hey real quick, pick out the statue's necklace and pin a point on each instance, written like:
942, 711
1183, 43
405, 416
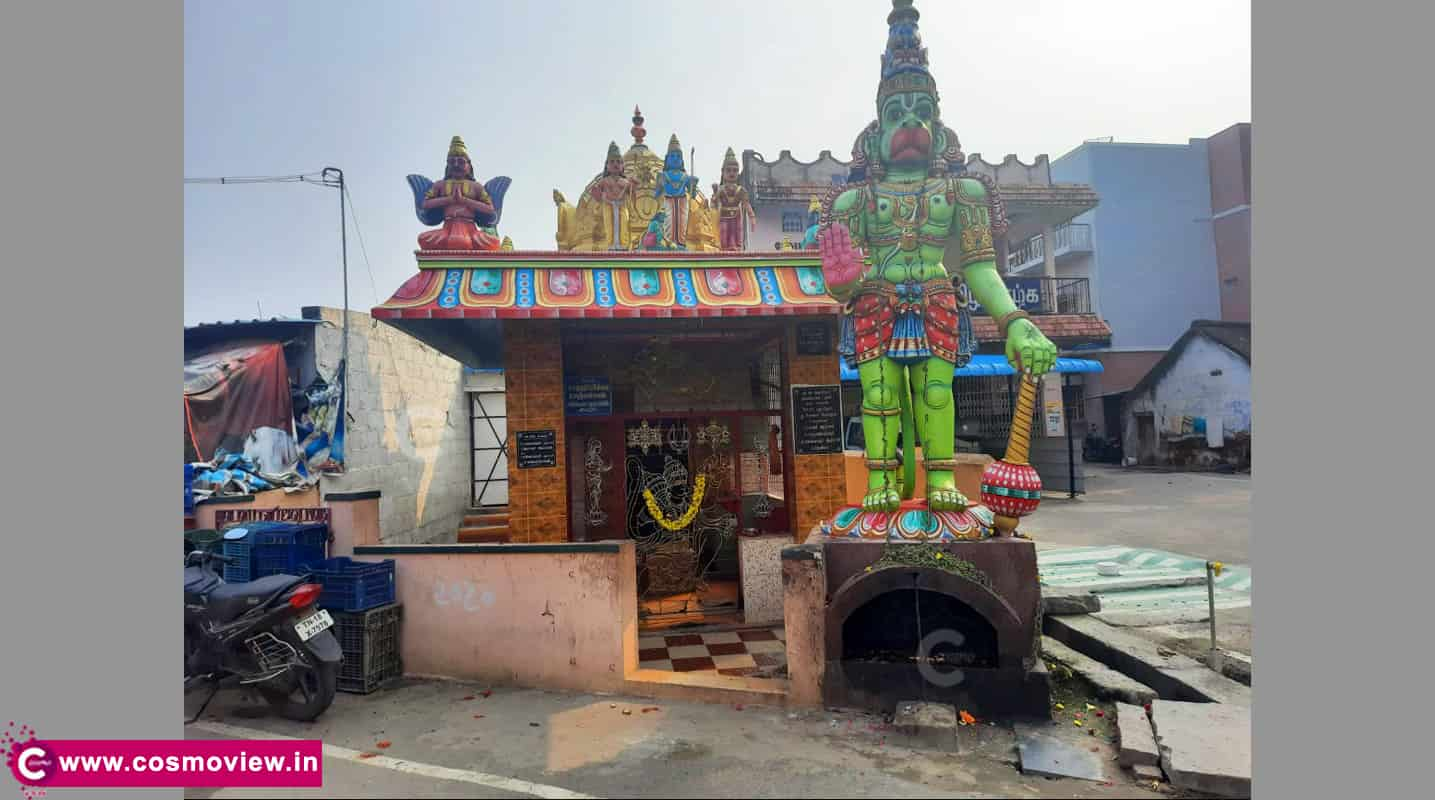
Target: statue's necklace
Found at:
909, 215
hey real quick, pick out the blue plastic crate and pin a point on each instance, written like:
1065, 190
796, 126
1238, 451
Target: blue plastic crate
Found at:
188, 490
236, 546
351, 585
286, 547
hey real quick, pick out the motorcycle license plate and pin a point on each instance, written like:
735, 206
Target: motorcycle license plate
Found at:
313, 625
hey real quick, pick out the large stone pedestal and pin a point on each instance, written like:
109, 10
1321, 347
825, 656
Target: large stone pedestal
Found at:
951, 621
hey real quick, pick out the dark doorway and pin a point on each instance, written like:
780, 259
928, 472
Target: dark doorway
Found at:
1146, 438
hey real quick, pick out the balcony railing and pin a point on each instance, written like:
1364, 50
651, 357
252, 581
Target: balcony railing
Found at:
1069, 239
1048, 295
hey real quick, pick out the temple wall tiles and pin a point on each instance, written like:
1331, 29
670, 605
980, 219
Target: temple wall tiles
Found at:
821, 489
533, 377
819, 481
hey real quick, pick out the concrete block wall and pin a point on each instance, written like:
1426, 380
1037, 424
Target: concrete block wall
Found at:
533, 376
408, 428
819, 481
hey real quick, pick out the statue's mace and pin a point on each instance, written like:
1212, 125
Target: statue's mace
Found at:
1011, 487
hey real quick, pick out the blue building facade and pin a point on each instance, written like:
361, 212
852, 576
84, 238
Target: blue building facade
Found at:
1152, 262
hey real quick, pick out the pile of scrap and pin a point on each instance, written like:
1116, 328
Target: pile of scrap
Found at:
248, 430
229, 474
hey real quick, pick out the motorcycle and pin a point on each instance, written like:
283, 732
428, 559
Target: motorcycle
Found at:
266, 635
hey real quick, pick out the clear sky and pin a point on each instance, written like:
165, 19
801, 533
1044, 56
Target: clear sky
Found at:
537, 89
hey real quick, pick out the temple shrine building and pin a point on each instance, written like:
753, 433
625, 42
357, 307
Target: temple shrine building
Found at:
639, 354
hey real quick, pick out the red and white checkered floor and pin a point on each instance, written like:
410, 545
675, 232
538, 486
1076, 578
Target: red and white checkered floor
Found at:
740, 653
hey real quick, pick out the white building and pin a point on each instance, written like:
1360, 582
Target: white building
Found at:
1194, 407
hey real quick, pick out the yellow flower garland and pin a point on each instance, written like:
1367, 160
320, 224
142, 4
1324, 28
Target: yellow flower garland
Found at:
686, 519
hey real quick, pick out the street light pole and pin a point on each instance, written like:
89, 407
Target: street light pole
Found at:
344, 258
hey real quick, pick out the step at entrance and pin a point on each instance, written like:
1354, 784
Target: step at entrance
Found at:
484, 535
487, 515
485, 525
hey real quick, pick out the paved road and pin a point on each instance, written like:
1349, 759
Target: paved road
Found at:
1196, 514
1201, 515
585, 744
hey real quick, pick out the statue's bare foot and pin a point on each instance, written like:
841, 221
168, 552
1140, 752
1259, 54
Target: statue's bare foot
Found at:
946, 498
882, 499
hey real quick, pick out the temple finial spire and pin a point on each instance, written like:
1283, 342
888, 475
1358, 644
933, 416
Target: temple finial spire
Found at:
638, 130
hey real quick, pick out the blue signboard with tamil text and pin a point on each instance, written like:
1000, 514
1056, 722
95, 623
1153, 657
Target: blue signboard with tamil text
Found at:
587, 397
1025, 292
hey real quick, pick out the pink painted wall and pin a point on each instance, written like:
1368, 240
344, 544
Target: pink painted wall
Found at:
519, 615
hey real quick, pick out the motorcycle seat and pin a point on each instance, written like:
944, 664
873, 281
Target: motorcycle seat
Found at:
199, 581
232, 599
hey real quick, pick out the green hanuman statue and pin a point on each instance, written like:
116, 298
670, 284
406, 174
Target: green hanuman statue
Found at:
905, 247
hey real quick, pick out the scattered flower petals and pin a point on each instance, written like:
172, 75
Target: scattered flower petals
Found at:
384, 744
367, 755
1076, 722
468, 697
486, 692
967, 719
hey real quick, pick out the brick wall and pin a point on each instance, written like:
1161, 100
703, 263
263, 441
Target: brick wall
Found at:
819, 481
533, 374
408, 429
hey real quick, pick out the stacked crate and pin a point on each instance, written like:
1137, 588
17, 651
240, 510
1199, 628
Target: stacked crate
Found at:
360, 597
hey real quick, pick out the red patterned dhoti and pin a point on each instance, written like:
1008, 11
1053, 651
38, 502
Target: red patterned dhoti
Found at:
458, 234
910, 322
730, 232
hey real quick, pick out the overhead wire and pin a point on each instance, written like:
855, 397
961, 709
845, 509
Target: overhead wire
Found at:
305, 177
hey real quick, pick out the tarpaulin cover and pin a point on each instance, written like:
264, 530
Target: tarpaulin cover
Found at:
233, 390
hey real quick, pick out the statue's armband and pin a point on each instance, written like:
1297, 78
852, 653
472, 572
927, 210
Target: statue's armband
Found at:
847, 210
973, 228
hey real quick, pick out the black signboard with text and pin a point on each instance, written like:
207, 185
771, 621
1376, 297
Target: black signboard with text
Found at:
814, 339
537, 449
817, 419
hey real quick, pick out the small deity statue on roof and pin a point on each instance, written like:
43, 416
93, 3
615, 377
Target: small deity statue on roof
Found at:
613, 194
656, 237
814, 224
735, 214
467, 209
676, 190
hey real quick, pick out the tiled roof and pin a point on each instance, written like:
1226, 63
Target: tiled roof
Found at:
1057, 327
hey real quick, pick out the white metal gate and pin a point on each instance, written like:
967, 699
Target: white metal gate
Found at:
489, 416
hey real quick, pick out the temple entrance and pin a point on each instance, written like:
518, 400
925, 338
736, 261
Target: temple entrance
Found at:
711, 477
689, 459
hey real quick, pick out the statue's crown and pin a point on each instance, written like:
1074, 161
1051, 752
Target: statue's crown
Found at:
730, 158
673, 146
814, 205
456, 147
904, 64
613, 151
